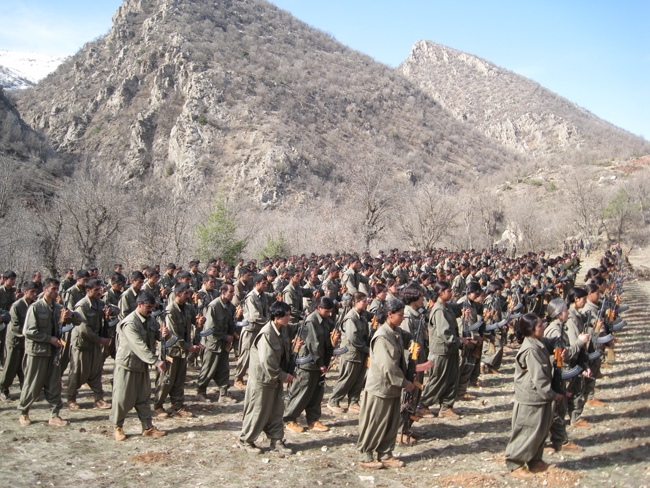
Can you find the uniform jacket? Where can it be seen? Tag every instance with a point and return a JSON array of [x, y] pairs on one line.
[[356, 336], [134, 342], [443, 331], [88, 333], [269, 357], [386, 376], [533, 374], [41, 324], [220, 317]]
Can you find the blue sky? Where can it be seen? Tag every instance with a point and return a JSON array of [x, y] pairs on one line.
[[595, 53]]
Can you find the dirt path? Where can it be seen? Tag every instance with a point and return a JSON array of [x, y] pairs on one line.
[[469, 452]]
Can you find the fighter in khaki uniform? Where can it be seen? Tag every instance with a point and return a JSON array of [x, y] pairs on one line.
[[444, 343], [180, 317], [269, 362], [15, 346], [293, 294], [129, 299], [87, 352], [112, 298], [256, 312], [135, 352], [220, 319], [356, 337], [72, 296], [352, 278], [7, 298], [42, 367], [532, 413], [379, 419], [314, 357]]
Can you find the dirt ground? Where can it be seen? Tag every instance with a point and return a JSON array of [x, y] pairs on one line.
[[469, 452]]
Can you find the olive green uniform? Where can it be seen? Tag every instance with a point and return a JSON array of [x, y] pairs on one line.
[[72, 296], [41, 373], [379, 419], [471, 353], [87, 355], [179, 321], [356, 337], [256, 312], [7, 298], [532, 413], [352, 279], [307, 393], [15, 346], [574, 327], [492, 355], [444, 344], [590, 315], [128, 303], [558, 433], [220, 317], [263, 405], [131, 384]]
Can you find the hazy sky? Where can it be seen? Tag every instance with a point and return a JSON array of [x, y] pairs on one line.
[[595, 53]]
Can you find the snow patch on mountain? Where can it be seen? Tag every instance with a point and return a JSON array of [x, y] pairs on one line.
[[20, 69]]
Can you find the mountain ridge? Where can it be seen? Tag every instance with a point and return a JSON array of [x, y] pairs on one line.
[[242, 96], [528, 119]]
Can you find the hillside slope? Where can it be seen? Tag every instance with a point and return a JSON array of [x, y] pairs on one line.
[[513, 110], [240, 94]]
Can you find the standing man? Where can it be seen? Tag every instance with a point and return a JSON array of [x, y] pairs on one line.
[[15, 346], [7, 298], [42, 365], [242, 287], [168, 280], [87, 347], [68, 280], [379, 419], [256, 312], [220, 319], [131, 383], [129, 299], [72, 297], [112, 299], [314, 357], [293, 294], [37, 278], [263, 405], [352, 278], [356, 337], [180, 317], [196, 278]]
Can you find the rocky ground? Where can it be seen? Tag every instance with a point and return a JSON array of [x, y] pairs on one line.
[[204, 451]]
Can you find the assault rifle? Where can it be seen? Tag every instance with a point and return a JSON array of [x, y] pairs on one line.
[[165, 345], [296, 344], [410, 399], [61, 330]]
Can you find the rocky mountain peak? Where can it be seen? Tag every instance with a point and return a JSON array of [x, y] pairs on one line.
[[509, 108]]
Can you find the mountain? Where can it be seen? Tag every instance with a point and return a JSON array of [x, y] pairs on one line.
[[513, 110], [20, 69], [241, 95], [26, 159], [11, 79]]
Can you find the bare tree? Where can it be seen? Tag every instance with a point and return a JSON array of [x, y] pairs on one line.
[[620, 213], [372, 198], [586, 201], [49, 218], [92, 209], [429, 218], [640, 191]]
